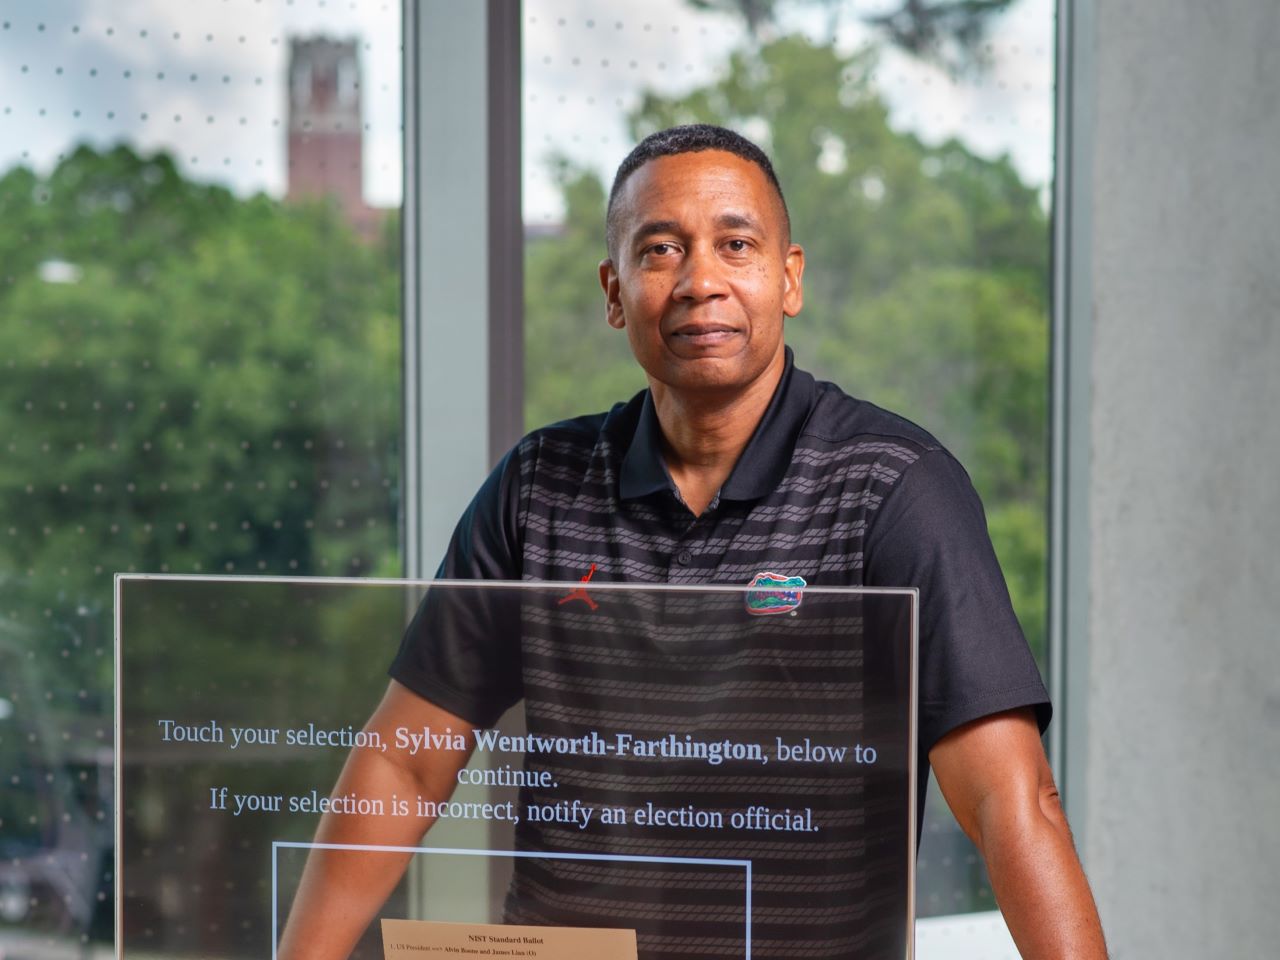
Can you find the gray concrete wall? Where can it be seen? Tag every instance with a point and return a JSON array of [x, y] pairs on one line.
[[1181, 813]]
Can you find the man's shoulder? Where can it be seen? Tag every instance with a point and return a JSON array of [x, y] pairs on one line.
[[583, 436], [839, 420], [583, 430]]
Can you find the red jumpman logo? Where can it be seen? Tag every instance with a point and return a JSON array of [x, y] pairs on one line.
[[581, 592]]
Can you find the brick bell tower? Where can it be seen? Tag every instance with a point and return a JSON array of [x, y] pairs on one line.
[[326, 130]]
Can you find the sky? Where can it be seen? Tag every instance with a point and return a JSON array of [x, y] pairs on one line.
[[205, 79]]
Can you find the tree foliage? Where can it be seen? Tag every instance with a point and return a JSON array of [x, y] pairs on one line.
[[191, 383], [574, 362]]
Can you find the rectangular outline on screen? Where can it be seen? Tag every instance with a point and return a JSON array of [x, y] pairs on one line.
[[277, 845]]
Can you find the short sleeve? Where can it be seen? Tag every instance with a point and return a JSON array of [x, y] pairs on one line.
[[931, 533], [462, 649]]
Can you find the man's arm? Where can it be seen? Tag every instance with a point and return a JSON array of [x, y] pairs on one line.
[[996, 778], [341, 891]]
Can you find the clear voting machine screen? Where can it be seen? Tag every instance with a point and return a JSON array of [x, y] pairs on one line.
[[316, 768]]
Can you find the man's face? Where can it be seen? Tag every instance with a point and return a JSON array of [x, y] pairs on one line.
[[703, 273]]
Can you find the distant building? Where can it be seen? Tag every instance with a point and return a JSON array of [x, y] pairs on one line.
[[326, 129]]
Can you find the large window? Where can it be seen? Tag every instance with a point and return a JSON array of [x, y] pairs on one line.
[[200, 333], [199, 363], [914, 142]]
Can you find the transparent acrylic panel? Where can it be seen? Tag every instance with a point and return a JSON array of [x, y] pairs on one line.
[[199, 362], [725, 771], [914, 144]]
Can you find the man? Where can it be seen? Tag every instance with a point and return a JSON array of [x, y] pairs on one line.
[[733, 463]]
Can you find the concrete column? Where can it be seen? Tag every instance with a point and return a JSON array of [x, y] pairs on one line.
[[1179, 766]]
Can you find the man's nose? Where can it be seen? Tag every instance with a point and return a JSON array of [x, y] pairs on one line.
[[701, 276]]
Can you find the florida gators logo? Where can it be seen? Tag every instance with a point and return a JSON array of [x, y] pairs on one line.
[[773, 593]]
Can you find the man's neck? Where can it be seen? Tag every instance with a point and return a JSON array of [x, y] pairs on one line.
[[704, 434]]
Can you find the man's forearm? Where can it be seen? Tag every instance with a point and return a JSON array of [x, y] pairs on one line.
[[996, 778], [1038, 881], [341, 890]]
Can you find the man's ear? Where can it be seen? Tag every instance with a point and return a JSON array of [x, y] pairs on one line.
[[793, 274], [612, 301]]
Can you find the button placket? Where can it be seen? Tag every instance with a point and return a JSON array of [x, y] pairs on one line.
[[684, 554]]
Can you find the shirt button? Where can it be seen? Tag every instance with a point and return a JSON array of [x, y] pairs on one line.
[[684, 558]]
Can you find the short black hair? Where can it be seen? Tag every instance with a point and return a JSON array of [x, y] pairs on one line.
[[690, 138]]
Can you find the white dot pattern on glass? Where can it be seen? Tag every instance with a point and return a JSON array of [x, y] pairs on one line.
[[193, 336]]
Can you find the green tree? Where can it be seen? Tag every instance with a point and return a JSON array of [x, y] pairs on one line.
[[189, 382], [192, 382], [575, 363]]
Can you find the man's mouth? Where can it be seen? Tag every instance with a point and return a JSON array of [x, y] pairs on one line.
[[705, 334]]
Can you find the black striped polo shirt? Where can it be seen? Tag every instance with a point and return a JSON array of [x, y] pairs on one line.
[[829, 488]]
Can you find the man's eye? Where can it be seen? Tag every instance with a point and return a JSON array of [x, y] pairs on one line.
[[661, 249], [737, 246]]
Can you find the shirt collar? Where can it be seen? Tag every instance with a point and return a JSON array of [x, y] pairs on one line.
[[764, 460]]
